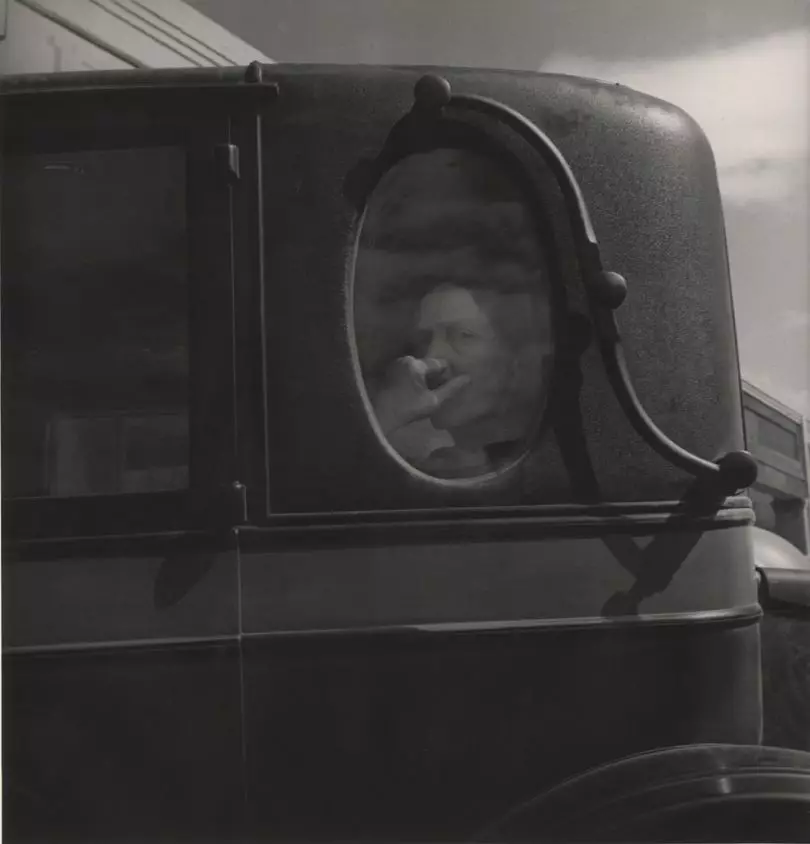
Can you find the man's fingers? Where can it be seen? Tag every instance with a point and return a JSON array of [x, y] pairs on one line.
[[420, 369], [433, 366], [443, 393], [413, 369], [419, 399]]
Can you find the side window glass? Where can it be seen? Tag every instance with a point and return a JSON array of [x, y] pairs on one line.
[[95, 322], [452, 313]]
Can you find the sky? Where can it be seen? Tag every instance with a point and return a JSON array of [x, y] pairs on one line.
[[495, 33], [753, 101], [741, 68]]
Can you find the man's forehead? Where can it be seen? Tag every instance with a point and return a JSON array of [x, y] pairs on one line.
[[450, 304]]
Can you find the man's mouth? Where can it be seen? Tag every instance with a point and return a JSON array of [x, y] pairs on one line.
[[434, 380]]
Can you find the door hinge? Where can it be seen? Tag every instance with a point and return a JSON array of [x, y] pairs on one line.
[[239, 498], [227, 157]]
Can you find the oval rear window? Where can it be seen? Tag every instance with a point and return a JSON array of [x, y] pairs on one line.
[[452, 313]]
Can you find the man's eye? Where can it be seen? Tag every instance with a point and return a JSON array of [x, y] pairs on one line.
[[458, 336]]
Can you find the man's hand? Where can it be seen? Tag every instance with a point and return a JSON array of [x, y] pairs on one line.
[[406, 396]]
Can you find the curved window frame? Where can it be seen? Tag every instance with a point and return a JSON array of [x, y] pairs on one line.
[[434, 110]]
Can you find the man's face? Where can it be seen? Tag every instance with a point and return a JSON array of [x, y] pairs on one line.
[[453, 327]]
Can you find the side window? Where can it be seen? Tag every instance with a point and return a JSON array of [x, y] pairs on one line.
[[452, 313], [95, 323]]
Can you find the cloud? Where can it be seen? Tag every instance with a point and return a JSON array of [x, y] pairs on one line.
[[751, 100]]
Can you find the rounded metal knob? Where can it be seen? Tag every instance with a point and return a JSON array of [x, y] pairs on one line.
[[432, 92], [738, 470], [611, 289]]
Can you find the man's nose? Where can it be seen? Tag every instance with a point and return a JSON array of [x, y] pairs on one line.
[[439, 348]]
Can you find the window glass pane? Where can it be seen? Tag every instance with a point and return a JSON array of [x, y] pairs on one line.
[[452, 313], [778, 439], [95, 313]]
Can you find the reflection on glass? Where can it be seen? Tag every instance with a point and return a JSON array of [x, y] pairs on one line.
[[95, 323], [452, 313]]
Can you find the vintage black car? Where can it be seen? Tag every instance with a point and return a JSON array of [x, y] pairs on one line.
[[374, 468]]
